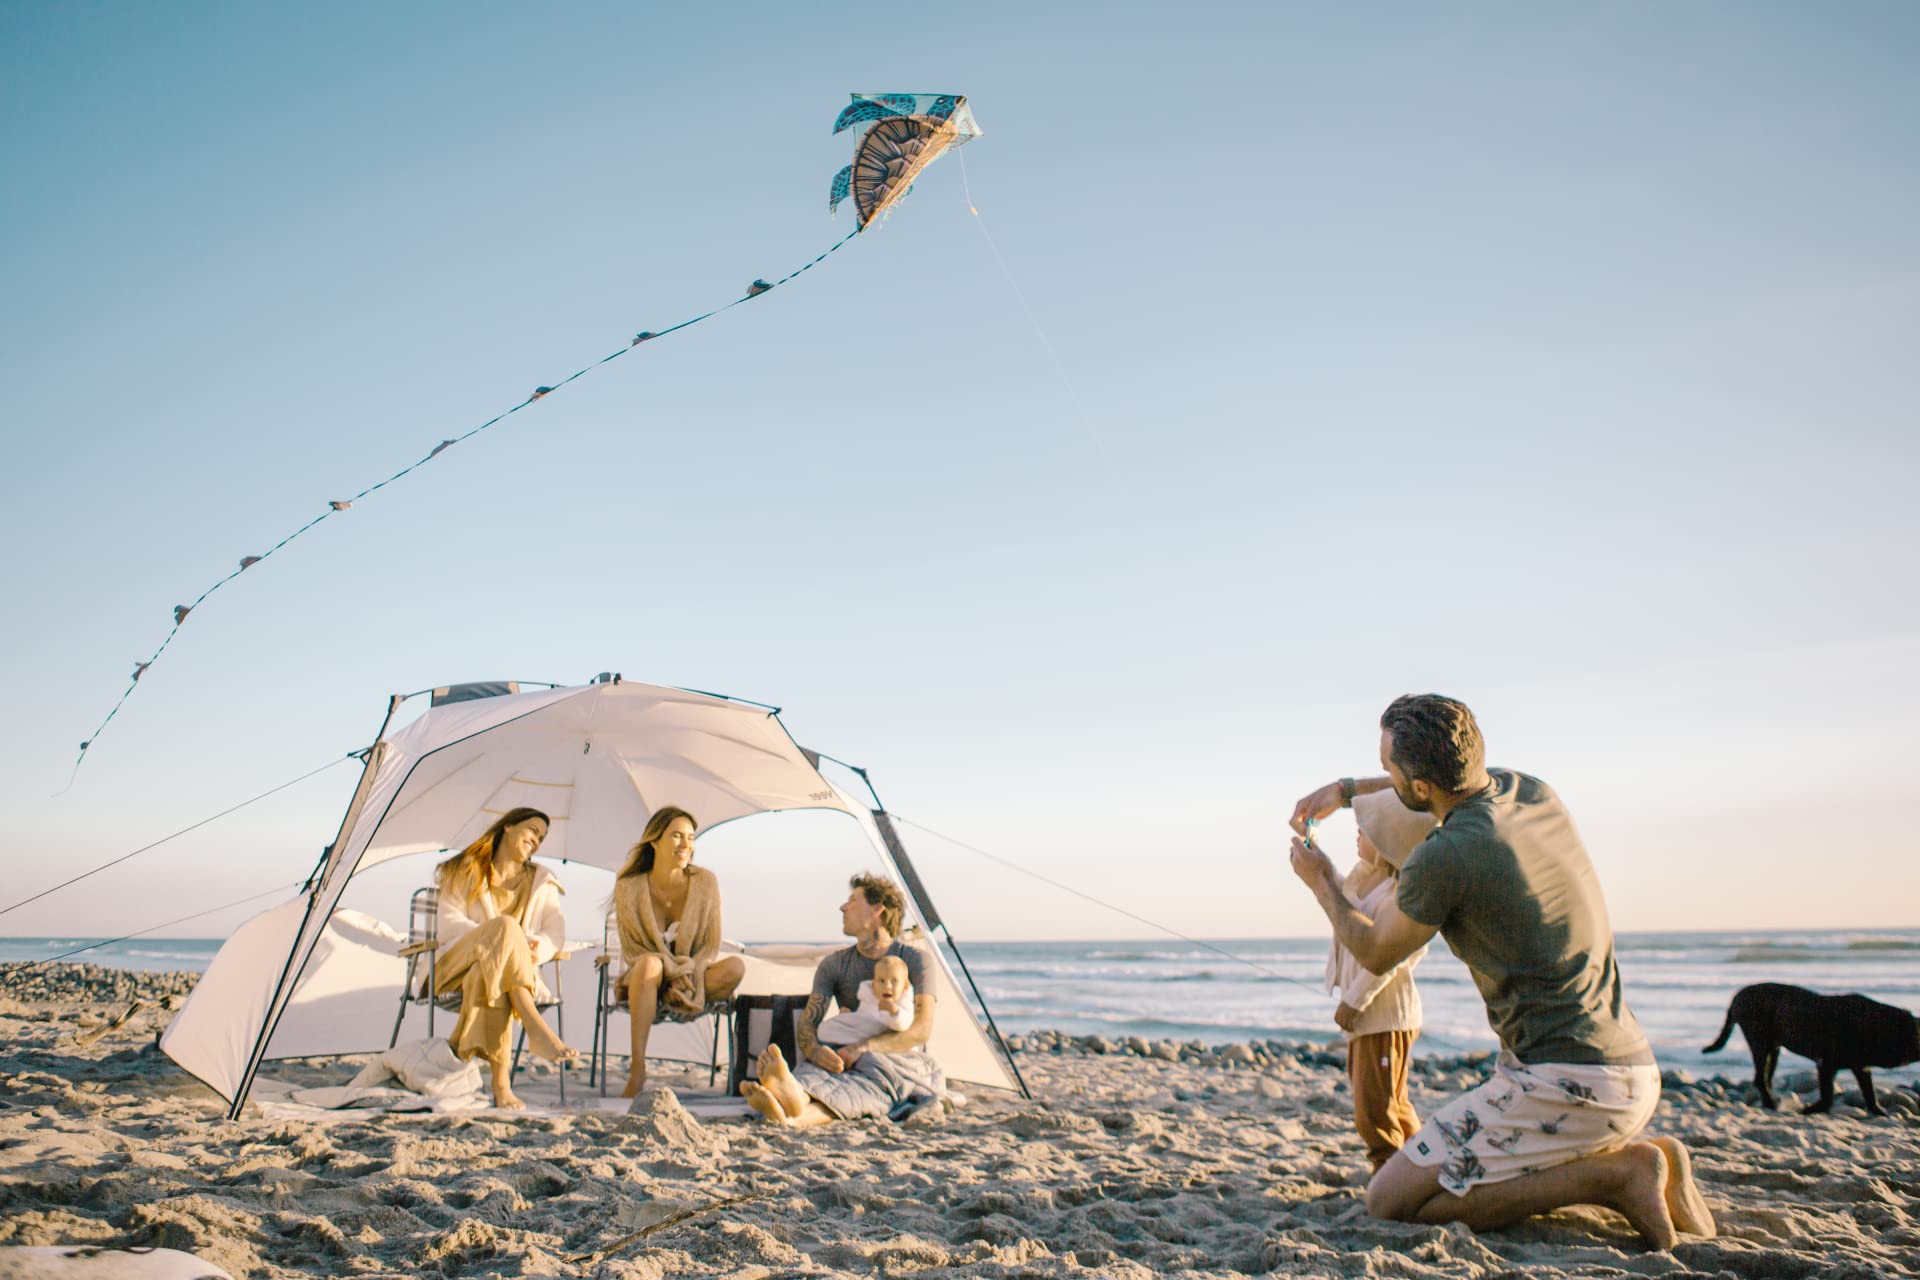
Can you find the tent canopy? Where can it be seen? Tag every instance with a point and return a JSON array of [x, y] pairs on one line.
[[599, 759]]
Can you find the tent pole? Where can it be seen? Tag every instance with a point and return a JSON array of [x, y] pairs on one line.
[[275, 1006], [883, 823]]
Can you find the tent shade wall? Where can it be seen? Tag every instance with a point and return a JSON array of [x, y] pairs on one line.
[[599, 759]]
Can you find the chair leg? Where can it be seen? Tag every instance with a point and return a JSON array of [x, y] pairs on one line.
[[713, 1062], [406, 990], [599, 1021]]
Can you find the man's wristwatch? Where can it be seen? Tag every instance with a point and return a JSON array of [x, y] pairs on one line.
[[1346, 793]]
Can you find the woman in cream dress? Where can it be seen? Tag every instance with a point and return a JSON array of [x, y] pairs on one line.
[[499, 921]]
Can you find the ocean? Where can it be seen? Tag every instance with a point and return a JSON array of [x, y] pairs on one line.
[[1678, 983]]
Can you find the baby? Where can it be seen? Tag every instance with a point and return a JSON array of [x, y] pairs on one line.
[[884, 1003]]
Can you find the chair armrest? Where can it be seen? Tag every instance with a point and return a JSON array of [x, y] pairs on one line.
[[417, 948]]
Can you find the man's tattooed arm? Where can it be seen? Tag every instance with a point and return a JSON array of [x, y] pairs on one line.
[[807, 1025]]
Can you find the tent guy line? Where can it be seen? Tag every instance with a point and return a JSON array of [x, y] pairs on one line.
[[1131, 915], [141, 933], [181, 832]]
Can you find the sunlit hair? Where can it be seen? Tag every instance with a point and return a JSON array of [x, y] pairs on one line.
[[1435, 740], [640, 857], [465, 872], [885, 894]]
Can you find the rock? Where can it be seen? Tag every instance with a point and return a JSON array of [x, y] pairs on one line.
[[1165, 1051], [1098, 1044], [1138, 1047], [1238, 1053], [1676, 1078], [1016, 1044]]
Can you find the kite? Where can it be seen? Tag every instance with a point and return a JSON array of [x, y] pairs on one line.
[[905, 133]]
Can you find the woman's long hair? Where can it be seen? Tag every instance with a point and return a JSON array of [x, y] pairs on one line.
[[465, 872], [640, 857]]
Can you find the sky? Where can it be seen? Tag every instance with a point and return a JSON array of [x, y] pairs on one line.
[[1558, 358]]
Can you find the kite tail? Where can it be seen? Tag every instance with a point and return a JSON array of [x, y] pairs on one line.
[[338, 505]]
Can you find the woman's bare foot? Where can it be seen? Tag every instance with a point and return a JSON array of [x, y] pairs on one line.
[[503, 1095], [1642, 1193], [1684, 1201], [779, 1082], [765, 1103], [635, 1083], [547, 1045]]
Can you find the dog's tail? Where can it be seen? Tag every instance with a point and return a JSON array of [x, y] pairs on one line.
[[1726, 1033]]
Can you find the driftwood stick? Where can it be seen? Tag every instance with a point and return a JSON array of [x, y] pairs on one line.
[[674, 1220], [106, 1028]]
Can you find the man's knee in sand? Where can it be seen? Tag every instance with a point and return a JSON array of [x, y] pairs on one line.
[[1400, 1189]]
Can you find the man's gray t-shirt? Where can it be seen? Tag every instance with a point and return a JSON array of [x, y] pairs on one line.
[[840, 974], [1510, 887]]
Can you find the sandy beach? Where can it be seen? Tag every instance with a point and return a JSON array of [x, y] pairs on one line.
[[1233, 1160]]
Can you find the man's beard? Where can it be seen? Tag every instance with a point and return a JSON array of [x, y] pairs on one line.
[[1410, 800]]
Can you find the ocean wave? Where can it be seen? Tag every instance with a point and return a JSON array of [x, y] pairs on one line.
[[1789, 954]]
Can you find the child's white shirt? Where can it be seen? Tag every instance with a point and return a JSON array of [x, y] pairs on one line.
[[867, 1020], [1385, 1001]]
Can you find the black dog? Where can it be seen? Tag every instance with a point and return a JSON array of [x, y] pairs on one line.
[[1850, 1032]]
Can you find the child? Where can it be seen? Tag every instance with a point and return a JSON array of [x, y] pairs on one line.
[[1379, 1013], [885, 1003]]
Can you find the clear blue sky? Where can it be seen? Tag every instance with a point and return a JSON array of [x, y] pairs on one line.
[[1558, 357]]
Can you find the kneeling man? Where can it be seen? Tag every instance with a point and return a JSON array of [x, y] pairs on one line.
[[889, 1073], [1505, 879]]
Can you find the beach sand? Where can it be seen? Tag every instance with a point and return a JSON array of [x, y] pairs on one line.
[[1231, 1161]]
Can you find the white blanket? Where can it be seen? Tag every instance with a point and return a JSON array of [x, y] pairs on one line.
[[419, 1075]]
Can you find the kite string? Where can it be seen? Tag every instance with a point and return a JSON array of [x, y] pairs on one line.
[[181, 612], [1131, 915], [1033, 318], [175, 836]]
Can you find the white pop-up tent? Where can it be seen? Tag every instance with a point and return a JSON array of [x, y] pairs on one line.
[[597, 758]]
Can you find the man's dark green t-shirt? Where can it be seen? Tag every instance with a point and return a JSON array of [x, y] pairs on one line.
[[1510, 887]]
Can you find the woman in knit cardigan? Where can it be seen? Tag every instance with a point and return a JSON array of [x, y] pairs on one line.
[[668, 911]]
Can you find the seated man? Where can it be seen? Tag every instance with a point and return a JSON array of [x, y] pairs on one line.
[[882, 1074]]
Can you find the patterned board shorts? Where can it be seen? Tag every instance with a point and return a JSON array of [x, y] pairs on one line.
[[1528, 1118]]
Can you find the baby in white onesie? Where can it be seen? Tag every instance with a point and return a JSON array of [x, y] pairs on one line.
[[884, 1003]]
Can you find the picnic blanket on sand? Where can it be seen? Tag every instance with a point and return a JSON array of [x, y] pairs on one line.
[[879, 1084]]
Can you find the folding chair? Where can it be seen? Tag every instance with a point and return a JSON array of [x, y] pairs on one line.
[[612, 999], [423, 939]]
